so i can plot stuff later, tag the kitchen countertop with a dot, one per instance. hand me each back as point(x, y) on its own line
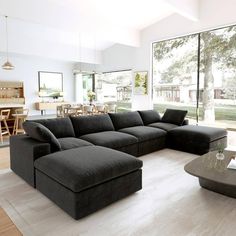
point(11, 105)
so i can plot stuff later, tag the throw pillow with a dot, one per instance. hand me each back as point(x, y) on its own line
point(42, 134)
point(174, 116)
point(150, 116)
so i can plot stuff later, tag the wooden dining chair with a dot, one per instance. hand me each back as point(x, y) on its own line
point(100, 108)
point(88, 109)
point(4, 130)
point(112, 108)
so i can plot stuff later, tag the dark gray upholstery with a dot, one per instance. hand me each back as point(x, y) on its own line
point(186, 122)
point(152, 145)
point(42, 134)
point(84, 178)
point(91, 124)
point(149, 116)
point(81, 168)
point(144, 133)
point(196, 139)
point(24, 151)
point(81, 204)
point(126, 119)
point(164, 126)
point(69, 143)
point(60, 127)
point(111, 139)
point(174, 116)
point(200, 133)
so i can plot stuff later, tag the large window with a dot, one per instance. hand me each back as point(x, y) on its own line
point(198, 73)
point(115, 87)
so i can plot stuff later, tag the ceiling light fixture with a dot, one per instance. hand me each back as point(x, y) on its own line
point(7, 65)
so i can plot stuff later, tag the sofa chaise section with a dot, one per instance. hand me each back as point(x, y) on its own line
point(197, 139)
point(40, 141)
point(86, 179)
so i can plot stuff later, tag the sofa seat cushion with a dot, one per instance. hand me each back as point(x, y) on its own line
point(149, 116)
point(126, 119)
point(69, 143)
point(60, 127)
point(82, 168)
point(164, 126)
point(144, 133)
point(197, 133)
point(110, 139)
point(91, 124)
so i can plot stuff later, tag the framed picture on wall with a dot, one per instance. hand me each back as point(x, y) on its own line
point(140, 83)
point(50, 84)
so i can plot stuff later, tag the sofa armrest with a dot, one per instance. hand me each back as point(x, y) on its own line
point(186, 122)
point(23, 152)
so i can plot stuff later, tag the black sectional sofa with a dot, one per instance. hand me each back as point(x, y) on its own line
point(85, 163)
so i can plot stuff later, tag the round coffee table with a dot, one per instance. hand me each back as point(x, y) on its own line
point(213, 174)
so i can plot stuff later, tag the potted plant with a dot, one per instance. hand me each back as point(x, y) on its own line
point(91, 96)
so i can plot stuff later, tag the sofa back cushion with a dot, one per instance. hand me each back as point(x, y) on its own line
point(150, 116)
point(60, 127)
point(174, 116)
point(91, 124)
point(126, 119)
point(42, 134)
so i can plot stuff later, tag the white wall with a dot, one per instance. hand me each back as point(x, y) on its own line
point(212, 14)
point(26, 70)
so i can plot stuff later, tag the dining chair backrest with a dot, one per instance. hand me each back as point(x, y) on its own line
point(111, 107)
point(59, 111)
point(22, 111)
point(5, 113)
point(100, 108)
point(88, 108)
point(65, 109)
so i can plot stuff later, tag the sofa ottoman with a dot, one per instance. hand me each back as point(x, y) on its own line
point(85, 179)
point(197, 139)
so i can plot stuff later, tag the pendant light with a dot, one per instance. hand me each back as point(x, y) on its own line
point(7, 65)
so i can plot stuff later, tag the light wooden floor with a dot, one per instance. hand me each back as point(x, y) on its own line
point(171, 203)
point(7, 227)
point(4, 158)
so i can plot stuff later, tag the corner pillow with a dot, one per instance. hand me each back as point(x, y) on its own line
point(174, 116)
point(42, 134)
point(149, 116)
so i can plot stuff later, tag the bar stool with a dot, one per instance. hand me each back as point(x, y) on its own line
point(20, 116)
point(4, 115)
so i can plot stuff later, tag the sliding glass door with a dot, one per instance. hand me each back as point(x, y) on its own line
point(198, 71)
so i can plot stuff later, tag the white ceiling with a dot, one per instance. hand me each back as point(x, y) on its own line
point(90, 24)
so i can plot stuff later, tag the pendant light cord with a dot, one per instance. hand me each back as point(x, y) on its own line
point(7, 36)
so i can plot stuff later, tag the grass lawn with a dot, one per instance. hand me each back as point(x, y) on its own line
point(222, 112)
point(123, 106)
